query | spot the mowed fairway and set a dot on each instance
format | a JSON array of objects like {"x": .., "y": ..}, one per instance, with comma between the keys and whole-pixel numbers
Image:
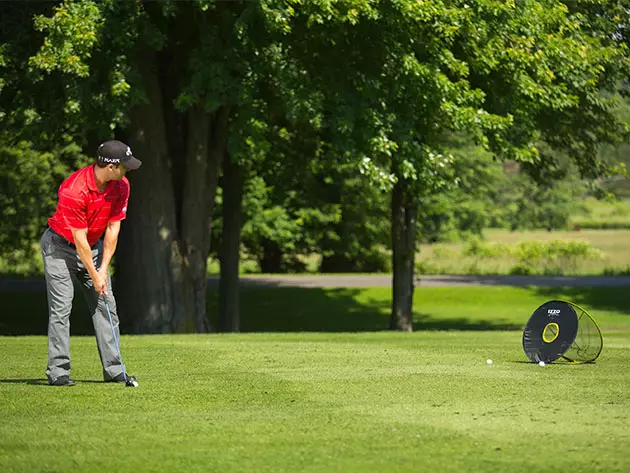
[{"x": 328, "y": 401}]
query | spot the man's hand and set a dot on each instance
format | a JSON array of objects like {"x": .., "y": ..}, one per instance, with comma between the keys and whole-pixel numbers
[
  {"x": 85, "y": 254},
  {"x": 100, "y": 282}
]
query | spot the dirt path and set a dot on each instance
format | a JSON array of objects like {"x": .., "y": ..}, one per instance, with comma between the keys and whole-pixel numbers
[
  {"x": 14, "y": 285},
  {"x": 432, "y": 281}
]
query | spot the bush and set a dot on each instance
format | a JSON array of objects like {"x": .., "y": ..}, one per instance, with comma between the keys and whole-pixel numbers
[
  {"x": 476, "y": 257},
  {"x": 21, "y": 263},
  {"x": 29, "y": 179},
  {"x": 578, "y": 224},
  {"x": 555, "y": 257},
  {"x": 480, "y": 249}
]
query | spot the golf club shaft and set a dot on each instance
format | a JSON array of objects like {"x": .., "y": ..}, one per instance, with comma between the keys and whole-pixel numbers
[{"x": 116, "y": 339}]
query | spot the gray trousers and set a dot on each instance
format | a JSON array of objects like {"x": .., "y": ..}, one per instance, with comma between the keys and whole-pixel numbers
[{"x": 63, "y": 269}]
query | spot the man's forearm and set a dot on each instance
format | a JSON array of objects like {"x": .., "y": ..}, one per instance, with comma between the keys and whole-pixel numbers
[
  {"x": 110, "y": 241},
  {"x": 85, "y": 254}
]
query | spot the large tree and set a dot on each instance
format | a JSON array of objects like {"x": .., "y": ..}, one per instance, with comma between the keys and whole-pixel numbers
[
  {"x": 511, "y": 75},
  {"x": 515, "y": 76},
  {"x": 169, "y": 78},
  {"x": 380, "y": 82}
]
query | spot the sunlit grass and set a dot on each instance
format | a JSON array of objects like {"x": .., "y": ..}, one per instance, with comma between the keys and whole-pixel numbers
[
  {"x": 602, "y": 211},
  {"x": 448, "y": 258},
  {"x": 338, "y": 393},
  {"x": 316, "y": 402}
]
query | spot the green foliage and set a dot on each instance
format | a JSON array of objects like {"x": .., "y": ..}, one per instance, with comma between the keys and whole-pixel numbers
[
  {"x": 319, "y": 85},
  {"x": 467, "y": 206},
  {"x": 489, "y": 194},
  {"x": 553, "y": 257},
  {"x": 275, "y": 233},
  {"x": 357, "y": 241},
  {"x": 584, "y": 224},
  {"x": 70, "y": 38},
  {"x": 528, "y": 205},
  {"x": 336, "y": 215},
  {"x": 29, "y": 179},
  {"x": 480, "y": 249},
  {"x": 22, "y": 263}
]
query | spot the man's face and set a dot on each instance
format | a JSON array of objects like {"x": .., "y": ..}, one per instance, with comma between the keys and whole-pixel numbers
[{"x": 118, "y": 172}]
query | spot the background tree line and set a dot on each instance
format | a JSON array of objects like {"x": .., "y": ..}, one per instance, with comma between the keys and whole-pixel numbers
[{"x": 287, "y": 128}]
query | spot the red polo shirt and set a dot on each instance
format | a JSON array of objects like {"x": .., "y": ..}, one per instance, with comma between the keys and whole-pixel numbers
[{"x": 83, "y": 205}]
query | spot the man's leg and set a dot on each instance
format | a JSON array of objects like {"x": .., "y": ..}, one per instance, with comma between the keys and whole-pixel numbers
[
  {"x": 107, "y": 347},
  {"x": 60, "y": 291}
]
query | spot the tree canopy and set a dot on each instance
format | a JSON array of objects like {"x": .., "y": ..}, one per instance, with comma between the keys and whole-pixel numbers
[{"x": 234, "y": 94}]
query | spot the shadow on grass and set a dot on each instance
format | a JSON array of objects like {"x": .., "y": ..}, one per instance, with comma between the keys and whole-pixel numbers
[
  {"x": 36, "y": 382},
  {"x": 265, "y": 307},
  {"x": 44, "y": 382},
  {"x": 590, "y": 298},
  {"x": 299, "y": 309},
  {"x": 425, "y": 322}
]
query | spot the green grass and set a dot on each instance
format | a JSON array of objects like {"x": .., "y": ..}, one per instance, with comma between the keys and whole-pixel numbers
[
  {"x": 447, "y": 258},
  {"x": 614, "y": 245},
  {"x": 597, "y": 211},
  {"x": 318, "y": 402},
  {"x": 435, "y": 308},
  {"x": 338, "y": 394},
  {"x": 295, "y": 309}
]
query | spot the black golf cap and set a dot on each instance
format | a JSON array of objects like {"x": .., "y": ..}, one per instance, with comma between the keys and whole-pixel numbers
[{"x": 117, "y": 152}]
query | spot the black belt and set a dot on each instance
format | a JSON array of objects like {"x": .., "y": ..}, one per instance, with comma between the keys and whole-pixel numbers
[{"x": 62, "y": 238}]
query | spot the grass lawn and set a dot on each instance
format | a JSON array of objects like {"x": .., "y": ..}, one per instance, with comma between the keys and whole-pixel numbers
[
  {"x": 448, "y": 258},
  {"x": 295, "y": 309},
  {"x": 317, "y": 402},
  {"x": 593, "y": 210},
  {"x": 333, "y": 393}
]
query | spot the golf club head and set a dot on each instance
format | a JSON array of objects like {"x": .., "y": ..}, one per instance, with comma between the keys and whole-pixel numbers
[{"x": 131, "y": 382}]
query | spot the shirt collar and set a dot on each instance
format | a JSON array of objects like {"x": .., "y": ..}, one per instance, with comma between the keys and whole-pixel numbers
[{"x": 91, "y": 180}]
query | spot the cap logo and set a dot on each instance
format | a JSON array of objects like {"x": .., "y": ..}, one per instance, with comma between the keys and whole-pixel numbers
[{"x": 128, "y": 152}]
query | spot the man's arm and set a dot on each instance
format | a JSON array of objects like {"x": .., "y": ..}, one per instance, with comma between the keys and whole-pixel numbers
[
  {"x": 110, "y": 240},
  {"x": 85, "y": 253}
]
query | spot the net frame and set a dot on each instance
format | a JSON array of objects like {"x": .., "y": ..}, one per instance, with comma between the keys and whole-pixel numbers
[{"x": 589, "y": 341}]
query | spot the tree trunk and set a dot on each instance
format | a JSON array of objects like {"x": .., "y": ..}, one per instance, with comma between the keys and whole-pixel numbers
[
  {"x": 218, "y": 146},
  {"x": 271, "y": 259},
  {"x": 207, "y": 140},
  {"x": 233, "y": 184},
  {"x": 146, "y": 266},
  {"x": 404, "y": 211},
  {"x": 194, "y": 213}
]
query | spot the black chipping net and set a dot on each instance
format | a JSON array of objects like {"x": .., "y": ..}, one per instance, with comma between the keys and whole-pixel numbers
[{"x": 562, "y": 330}]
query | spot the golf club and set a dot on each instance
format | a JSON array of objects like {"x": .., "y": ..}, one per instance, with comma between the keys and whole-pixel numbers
[{"x": 130, "y": 381}]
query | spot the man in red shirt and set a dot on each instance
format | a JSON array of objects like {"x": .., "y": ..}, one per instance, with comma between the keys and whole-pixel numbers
[{"x": 77, "y": 248}]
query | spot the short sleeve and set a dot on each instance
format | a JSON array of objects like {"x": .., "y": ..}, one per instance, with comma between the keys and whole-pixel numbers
[
  {"x": 119, "y": 210},
  {"x": 74, "y": 209}
]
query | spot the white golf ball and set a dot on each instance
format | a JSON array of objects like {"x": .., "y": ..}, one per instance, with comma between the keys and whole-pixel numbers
[
  {"x": 488, "y": 362},
  {"x": 541, "y": 363}
]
